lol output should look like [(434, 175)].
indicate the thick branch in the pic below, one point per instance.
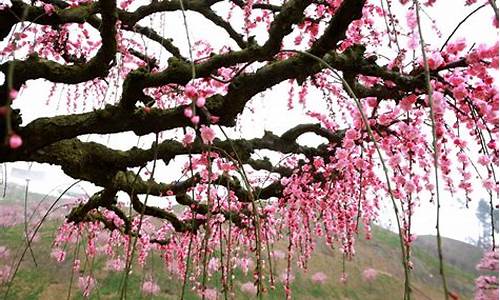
[(35, 67)]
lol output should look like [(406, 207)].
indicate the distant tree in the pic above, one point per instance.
[(483, 214)]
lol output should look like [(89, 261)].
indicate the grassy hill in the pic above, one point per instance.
[(50, 280)]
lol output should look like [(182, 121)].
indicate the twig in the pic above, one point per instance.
[(460, 24), (435, 149)]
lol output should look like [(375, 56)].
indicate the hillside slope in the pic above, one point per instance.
[(50, 280)]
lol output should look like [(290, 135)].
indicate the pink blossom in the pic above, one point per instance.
[(207, 134), (352, 134), (210, 294), (394, 161), (372, 101), (411, 19), (369, 274), (5, 273), (4, 252), (410, 187), (319, 278), (49, 9), (190, 92), (435, 60), (456, 46), (188, 112), (200, 102), (15, 141), (58, 254), (115, 265), (195, 120), (484, 160), (249, 288), (407, 102), (278, 254), (86, 284), (285, 276), (76, 265), (489, 184), (188, 139), (343, 278), (460, 92), (489, 262), (213, 264), (214, 119), (413, 42), (462, 157), (245, 264), (150, 287), (13, 94)]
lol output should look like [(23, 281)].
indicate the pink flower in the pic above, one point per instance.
[(411, 19), (285, 276), (249, 288), (210, 294), (5, 273), (489, 184), (369, 274), (372, 101), (58, 254), (4, 252), (49, 9), (319, 278), (190, 92), (115, 265), (462, 157), (76, 265), (407, 102), (13, 94), (435, 60), (200, 102), (207, 134), (278, 254), (214, 119), (188, 139), (352, 134), (484, 160), (343, 278), (195, 120), (245, 264), (15, 141), (86, 285), (188, 112), (150, 287)]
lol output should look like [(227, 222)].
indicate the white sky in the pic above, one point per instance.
[(458, 222)]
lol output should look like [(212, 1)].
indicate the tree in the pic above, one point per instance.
[(486, 217), (404, 114)]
